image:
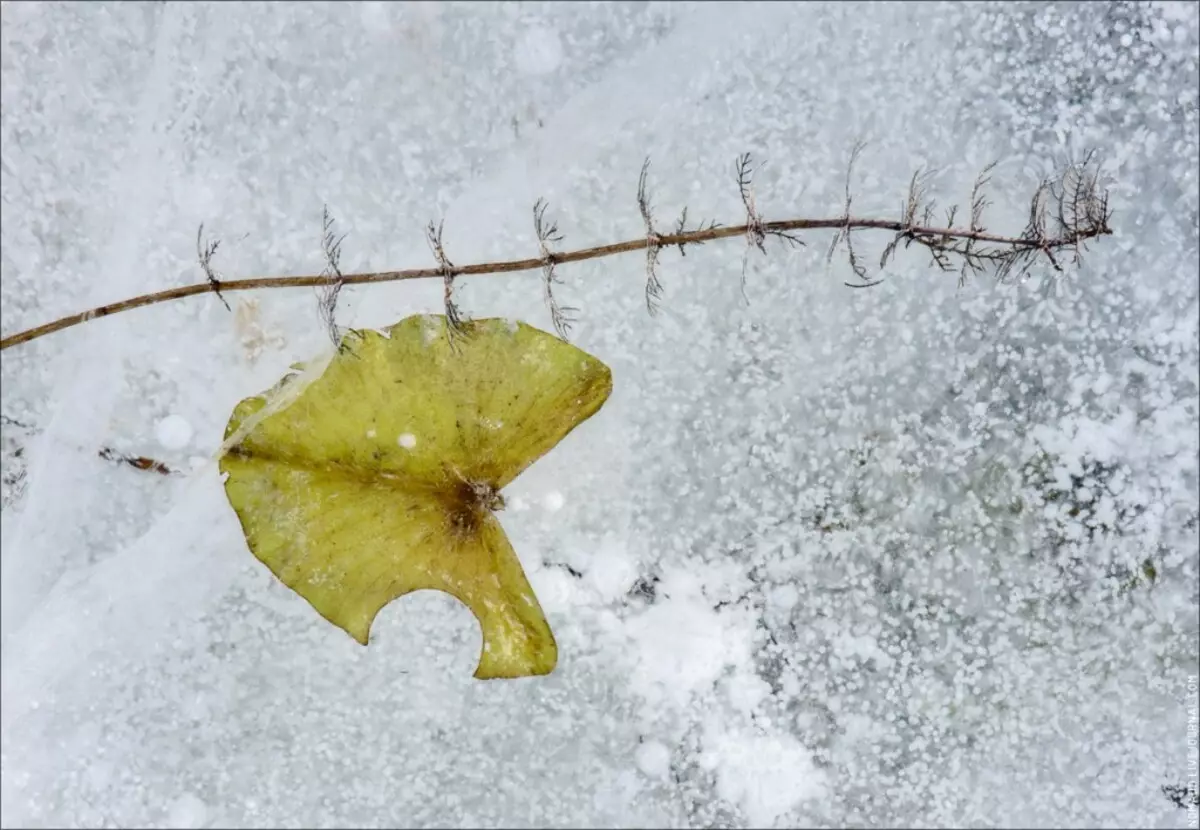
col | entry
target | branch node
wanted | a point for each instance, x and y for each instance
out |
(204, 253)
(331, 250)
(654, 243)
(454, 318)
(681, 229)
(756, 233)
(696, 234)
(563, 317)
(843, 233)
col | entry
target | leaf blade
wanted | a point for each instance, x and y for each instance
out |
(378, 479)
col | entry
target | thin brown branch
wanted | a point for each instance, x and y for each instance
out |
(535, 264)
(1084, 217)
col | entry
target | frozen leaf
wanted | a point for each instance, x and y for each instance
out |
(381, 477)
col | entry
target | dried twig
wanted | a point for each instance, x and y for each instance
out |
(1064, 213)
(1074, 203)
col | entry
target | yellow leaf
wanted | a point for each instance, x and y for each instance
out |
(382, 475)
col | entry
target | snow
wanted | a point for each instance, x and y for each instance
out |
(187, 811)
(682, 647)
(765, 776)
(654, 759)
(610, 570)
(826, 557)
(173, 432)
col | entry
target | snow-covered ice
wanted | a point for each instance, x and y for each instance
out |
(827, 556)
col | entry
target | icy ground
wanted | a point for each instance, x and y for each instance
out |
(914, 555)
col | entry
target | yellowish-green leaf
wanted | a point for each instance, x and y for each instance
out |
(381, 476)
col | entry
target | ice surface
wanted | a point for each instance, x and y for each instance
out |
(826, 557)
(538, 51)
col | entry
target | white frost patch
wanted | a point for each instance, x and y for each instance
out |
(1080, 437)
(746, 692)
(489, 423)
(320, 577)
(653, 759)
(173, 432)
(784, 597)
(684, 646)
(555, 589)
(407, 440)
(431, 329)
(553, 501)
(187, 811)
(517, 503)
(611, 571)
(536, 356)
(538, 51)
(765, 776)
(861, 647)
(375, 17)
